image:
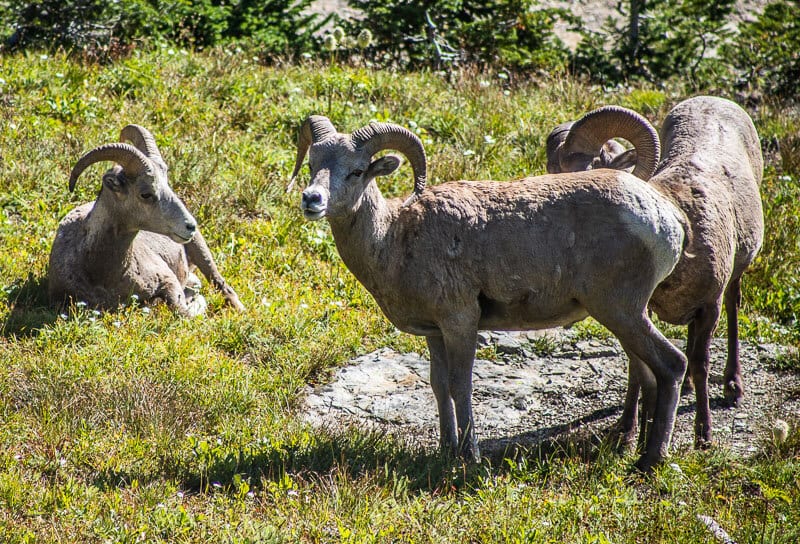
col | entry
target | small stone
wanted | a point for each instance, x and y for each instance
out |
(509, 345)
(569, 354)
(520, 403)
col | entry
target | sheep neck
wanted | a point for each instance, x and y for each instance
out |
(107, 243)
(361, 236)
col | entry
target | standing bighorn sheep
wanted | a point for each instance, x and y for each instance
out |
(711, 167)
(137, 238)
(463, 256)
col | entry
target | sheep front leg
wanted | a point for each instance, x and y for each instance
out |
(171, 292)
(640, 379)
(452, 385)
(461, 358)
(440, 383)
(198, 254)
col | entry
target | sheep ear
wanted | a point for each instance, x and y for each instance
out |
(115, 182)
(624, 160)
(383, 166)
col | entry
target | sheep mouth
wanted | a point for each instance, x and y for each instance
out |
(313, 215)
(181, 239)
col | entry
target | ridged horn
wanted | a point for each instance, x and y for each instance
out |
(376, 137)
(143, 140)
(589, 133)
(554, 140)
(133, 161)
(314, 129)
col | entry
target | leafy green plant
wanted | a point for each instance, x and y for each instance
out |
(766, 53)
(516, 34)
(655, 41)
(105, 30)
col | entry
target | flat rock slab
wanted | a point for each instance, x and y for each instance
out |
(543, 386)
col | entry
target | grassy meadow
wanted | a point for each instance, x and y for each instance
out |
(140, 426)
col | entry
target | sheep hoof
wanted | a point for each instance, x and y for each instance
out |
(733, 392)
(622, 441)
(646, 463)
(232, 300)
(196, 305)
(702, 442)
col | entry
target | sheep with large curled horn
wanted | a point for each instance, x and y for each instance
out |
(469, 255)
(136, 238)
(711, 167)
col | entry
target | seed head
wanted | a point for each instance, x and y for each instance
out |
(780, 431)
(364, 38)
(329, 43)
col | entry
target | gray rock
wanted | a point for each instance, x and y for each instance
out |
(509, 345)
(528, 398)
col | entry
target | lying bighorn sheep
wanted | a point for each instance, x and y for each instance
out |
(464, 256)
(137, 238)
(711, 167)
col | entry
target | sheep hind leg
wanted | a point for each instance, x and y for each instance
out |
(733, 388)
(640, 338)
(701, 330)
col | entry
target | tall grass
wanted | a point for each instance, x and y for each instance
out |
(141, 426)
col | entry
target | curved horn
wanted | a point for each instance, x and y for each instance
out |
(142, 139)
(589, 133)
(379, 136)
(314, 129)
(554, 140)
(132, 160)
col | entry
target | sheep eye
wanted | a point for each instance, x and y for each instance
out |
(356, 173)
(146, 196)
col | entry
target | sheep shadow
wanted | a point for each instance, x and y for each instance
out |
(587, 437)
(393, 461)
(30, 307)
(348, 452)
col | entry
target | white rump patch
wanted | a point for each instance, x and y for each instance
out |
(655, 221)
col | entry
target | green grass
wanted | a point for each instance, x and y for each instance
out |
(141, 426)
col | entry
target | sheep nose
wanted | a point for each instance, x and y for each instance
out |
(191, 226)
(312, 198)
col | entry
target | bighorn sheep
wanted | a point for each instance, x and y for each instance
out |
(470, 255)
(711, 167)
(586, 144)
(136, 238)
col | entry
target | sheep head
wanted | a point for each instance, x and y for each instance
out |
(587, 144)
(139, 186)
(341, 164)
